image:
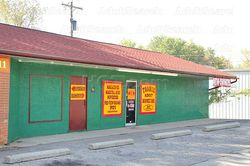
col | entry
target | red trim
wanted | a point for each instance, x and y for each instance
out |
(111, 115)
(146, 113)
(148, 83)
(117, 82)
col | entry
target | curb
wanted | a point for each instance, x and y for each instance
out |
(35, 155)
(221, 126)
(43, 140)
(109, 144)
(171, 134)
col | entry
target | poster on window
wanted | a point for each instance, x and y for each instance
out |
(148, 98)
(111, 98)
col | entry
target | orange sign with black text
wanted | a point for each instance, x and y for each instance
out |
(78, 92)
(148, 98)
(111, 98)
(131, 94)
(4, 64)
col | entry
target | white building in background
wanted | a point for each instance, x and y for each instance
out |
(233, 107)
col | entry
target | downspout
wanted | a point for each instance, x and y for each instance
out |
(216, 87)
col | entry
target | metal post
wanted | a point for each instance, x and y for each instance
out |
(72, 7)
(71, 18)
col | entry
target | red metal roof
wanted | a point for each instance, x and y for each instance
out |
(43, 45)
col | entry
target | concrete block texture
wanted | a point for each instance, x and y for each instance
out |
(108, 144)
(221, 126)
(171, 134)
(23, 157)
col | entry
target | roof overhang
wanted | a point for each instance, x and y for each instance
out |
(52, 59)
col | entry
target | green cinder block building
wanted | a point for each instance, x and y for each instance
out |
(52, 84)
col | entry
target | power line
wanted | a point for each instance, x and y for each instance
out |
(72, 21)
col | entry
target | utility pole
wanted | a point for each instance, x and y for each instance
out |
(72, 7)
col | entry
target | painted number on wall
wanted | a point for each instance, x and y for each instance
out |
(148, 98)
(111, 98)
(4, 64)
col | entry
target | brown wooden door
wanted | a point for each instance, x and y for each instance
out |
(78, 103)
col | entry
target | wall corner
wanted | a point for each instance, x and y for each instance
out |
(4, 97)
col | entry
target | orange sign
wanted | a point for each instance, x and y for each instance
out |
(148, 98)
(111, 98)
(4, 64)
(78, 92)
(131, 94)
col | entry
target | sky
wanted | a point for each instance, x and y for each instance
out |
(220, 24)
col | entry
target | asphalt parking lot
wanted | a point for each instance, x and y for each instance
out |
(223, 147)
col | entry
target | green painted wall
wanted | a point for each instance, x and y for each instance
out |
(178, 98)
(14, 113)
(46, 94)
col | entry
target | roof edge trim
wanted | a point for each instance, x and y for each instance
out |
(56, 58)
